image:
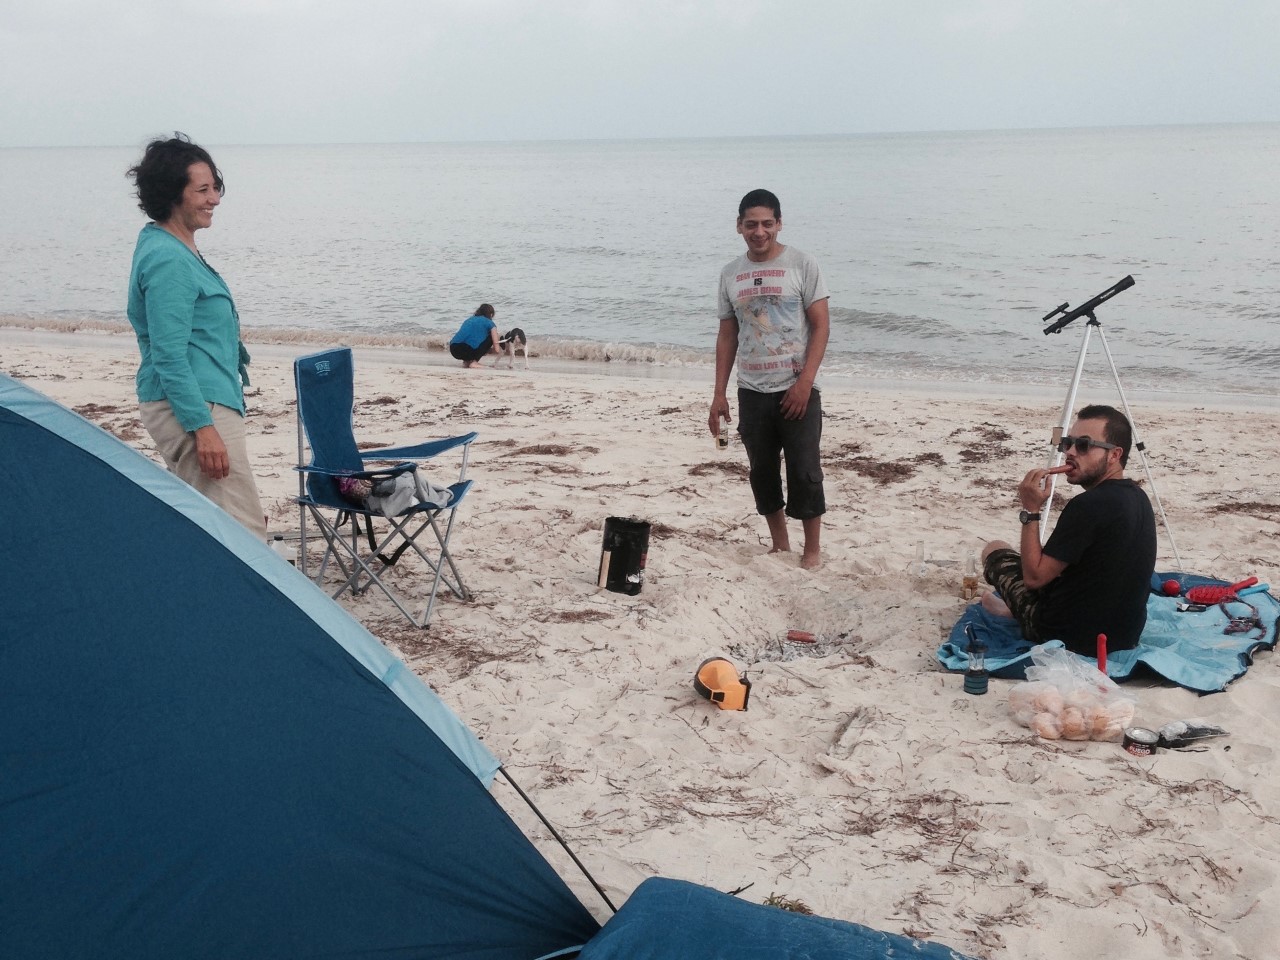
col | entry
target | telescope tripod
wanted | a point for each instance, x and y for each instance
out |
(1068, 408)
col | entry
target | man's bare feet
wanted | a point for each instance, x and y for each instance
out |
(812, 557)
(777, 522)
(994, 605)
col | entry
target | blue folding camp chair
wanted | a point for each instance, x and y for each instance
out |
(325, 385)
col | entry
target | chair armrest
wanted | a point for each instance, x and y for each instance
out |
(361, 474)
(421, 451)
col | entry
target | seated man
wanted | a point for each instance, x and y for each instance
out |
(1094, 573)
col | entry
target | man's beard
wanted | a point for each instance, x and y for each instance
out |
(1086, 481)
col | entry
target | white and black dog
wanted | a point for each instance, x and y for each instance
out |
(508, 344)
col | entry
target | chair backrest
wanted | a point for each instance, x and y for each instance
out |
(325, 384)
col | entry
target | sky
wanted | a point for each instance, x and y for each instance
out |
(118, 72)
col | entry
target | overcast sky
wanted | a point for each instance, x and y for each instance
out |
(116, 72)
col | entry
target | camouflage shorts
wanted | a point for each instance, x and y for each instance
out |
(1003, 570)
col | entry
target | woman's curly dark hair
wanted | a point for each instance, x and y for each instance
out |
(161, 174)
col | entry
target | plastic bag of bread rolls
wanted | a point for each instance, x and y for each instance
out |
(1066, 698)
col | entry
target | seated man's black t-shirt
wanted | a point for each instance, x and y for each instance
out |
(1107, 538)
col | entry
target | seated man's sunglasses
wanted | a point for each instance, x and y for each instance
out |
(1083, 444)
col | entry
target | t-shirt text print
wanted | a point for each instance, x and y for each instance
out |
(769, 299)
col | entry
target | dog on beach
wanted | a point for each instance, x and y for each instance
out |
(508, 344)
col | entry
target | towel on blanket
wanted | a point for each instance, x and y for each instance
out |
(1188, 648)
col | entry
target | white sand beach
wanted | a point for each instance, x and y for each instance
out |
(862, 780)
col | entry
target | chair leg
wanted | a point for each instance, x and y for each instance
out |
(302, 538)
(436, 565)
(358, 574)
(335, 546)
(455, 584)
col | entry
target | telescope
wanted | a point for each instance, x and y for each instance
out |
(1085, 309)
(1068, 408)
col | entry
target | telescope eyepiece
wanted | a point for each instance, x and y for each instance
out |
(1053, 313)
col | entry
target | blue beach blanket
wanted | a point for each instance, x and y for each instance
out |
(1189, 649)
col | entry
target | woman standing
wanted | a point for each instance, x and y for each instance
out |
(192, 376)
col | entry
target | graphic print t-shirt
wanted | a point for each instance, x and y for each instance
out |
(769, 299)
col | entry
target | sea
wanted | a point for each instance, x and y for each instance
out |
(943, 252)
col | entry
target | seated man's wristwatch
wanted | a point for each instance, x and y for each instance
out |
(1024, 518)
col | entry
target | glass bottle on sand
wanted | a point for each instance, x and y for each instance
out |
(969, 585)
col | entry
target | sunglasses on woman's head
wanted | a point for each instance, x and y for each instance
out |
(1082, 444)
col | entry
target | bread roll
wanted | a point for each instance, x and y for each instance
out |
(1021, 696)
(1074, 726)
(1046, 725)
(1023, 715)
(1081, 697)
(1048, 700)
(1121, 711)
(1101, 724)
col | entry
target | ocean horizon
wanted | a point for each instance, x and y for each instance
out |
(942, 251)
(481, 141)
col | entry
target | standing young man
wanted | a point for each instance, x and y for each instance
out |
(774, 322)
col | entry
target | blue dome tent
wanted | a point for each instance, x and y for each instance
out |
(203, 756)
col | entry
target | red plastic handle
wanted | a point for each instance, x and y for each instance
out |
(1208, 594)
